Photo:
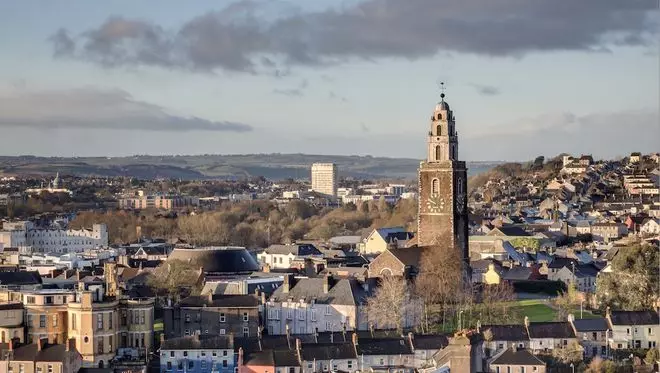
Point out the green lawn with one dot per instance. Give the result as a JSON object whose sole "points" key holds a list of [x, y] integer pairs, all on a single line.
{"points": [[539, 310]]}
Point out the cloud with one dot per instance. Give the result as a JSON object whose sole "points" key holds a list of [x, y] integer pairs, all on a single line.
{"points": [[238, 38], [486, 90], [293, 92], [603, 134], [96, 109]]}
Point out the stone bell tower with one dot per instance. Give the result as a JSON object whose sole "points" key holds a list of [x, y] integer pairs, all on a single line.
{"points": [[442, 212]]}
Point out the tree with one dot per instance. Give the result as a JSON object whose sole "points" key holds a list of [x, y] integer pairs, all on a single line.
{"points": [[391, 304], [634, 280], [566, 301], [441, 281], [175, 279], [573, 353], [652, 356], [598, 365]]}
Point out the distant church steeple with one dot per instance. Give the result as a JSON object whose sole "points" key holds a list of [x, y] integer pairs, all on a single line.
{"points": [[56, 181]]}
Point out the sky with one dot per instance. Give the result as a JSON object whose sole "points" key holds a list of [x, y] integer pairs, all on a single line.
{"points": [[523, 77]]}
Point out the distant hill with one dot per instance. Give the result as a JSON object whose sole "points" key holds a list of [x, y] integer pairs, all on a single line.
{"points": [[271, 166]]}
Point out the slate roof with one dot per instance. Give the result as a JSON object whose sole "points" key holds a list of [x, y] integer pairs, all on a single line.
{"points": [[481, 265], [328, 351], [345, 291], [634, 318], [20, 278], [429, 342], [383, 346], [586, 270], [30, 352], [294, 249], [518, 273], [409, 256], [510, 231], [285, 358], [11, 306], [390, 234], [560, 262], [551, 330], [507, 332], [219, 300], [517, 357], [591, 325], [259, 358], [198, 342]]}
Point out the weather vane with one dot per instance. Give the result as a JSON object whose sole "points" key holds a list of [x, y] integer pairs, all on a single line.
{"points": [[441, 85]]}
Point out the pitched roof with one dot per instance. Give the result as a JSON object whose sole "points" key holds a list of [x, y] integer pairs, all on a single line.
{"points": [[513, 332], [328, 351], [383, 346], [199, 342], [294, 249], [30, 352], [409, 256], [285, 358], [634, 318], [430, 341], [512, 356], [229, 301], [551, 330], [345, 291], [518, 273], [591, 325]]}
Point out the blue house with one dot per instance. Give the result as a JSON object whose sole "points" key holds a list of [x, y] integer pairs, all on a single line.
{"points": [[198, 354]]}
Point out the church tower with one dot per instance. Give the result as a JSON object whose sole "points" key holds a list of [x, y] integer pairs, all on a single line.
{"points": [[442, 212]]}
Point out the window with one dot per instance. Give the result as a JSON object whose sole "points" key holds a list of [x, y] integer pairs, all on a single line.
{"points": [[313, 314], [309, 365], [110, 321], [328, 325], [301, 314], [169, 365], [110, 343], [42, 321], [350, 364], [246, 331], [171, 353], [289, 314], [628, 331], [522, 369], [54, 321], [185, 353], [180, 365], [334, 366], [223, 318], [191, 364], [187, 318], [99, 345], [245, 316], [222, 332], [224, 352], [143, 316], [203, 364], [325, 367], [50, 368], [328, 309], [382, 362], [435, 186], [650, 331], [187, 332], [30, 300], [29, 320], [21, 368], [224, 363], [214, 354]]}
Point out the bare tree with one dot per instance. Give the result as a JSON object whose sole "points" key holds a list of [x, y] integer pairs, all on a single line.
{"points": [[441, 282], [392, 306], [175, 279]]}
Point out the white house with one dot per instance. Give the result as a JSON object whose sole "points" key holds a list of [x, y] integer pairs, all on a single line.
{"points": [[282, 256]]}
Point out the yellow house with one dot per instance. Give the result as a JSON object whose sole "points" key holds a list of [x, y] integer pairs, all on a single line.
{"points": [[492, 276], [382, 239]]}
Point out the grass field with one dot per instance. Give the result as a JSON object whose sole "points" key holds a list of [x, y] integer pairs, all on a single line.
{"points": [[539, 310]]}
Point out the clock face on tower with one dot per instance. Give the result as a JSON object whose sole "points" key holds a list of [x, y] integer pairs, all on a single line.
{"points": [[435, 203]]}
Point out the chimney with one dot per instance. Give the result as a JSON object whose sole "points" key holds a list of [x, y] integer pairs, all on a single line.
{"points": [[288, 283], [162, 338], [260, 330], [41, 343], [354, 339], [71, 344], [263, 298], [571, 318], [78, 274], [298, 346], [11, 344], [327, 283], [210, 297], [526, 322], [410, 340]]}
